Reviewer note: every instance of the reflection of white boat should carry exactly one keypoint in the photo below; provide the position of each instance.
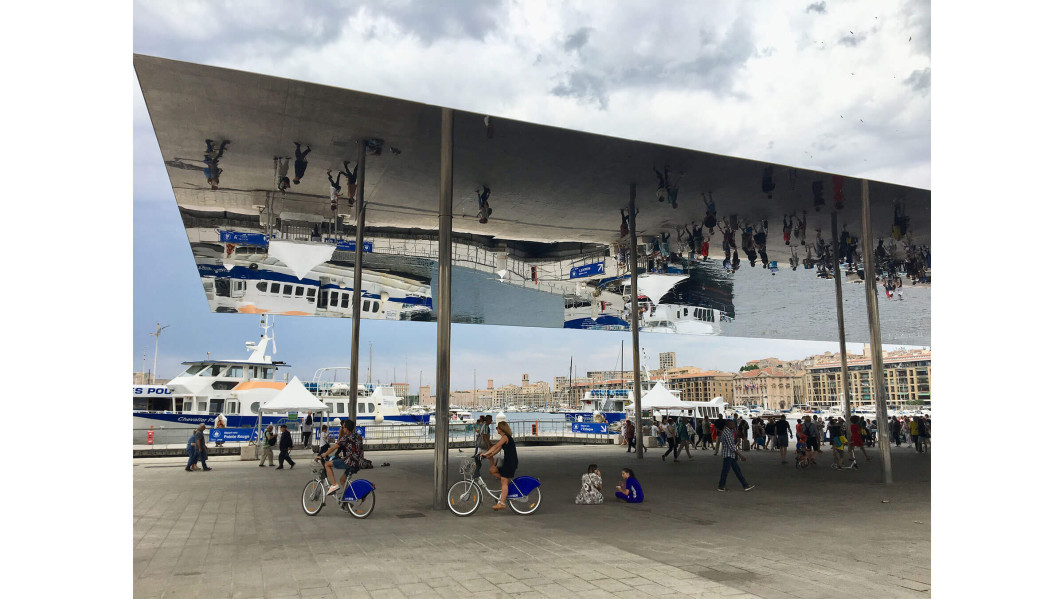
(373, 403)
(608, 310)
(457, 416)
(687, 320)
(267, 286)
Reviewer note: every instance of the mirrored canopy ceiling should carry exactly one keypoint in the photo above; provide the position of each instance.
(549, 252)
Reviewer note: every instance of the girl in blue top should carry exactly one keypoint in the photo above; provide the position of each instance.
(632, 492)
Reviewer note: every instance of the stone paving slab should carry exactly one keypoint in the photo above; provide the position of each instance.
(238, 531)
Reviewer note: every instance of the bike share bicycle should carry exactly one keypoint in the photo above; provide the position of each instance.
(358, 497)
(463, 498)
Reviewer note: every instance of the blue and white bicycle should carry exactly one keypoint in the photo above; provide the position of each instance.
(358, 497)
(463, 498)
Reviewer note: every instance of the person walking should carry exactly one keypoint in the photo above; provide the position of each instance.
(718, 424)
(286, 446)
(706, 434)
(193, 453)
(895, 431)
(280, 173)
(269, 439)
(919, 435)
(301, 162)
(211, 157)
(306, 429)
(810, 431)
(629, 435)
(655, 429)
(856, 438)
(683, 436)
(914, 434)
(670, 437)
(783, 433)
(727, 437)
(352, 182)
(201, 447)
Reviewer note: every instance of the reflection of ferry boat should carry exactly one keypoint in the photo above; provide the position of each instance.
(611, 302)
(269, 287)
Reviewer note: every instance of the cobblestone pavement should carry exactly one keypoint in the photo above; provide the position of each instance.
(238, 531)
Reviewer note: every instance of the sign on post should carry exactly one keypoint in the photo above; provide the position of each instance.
(587, 270)
(233, 434)
(591, 428)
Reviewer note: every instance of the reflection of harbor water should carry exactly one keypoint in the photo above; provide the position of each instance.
(795, 304)
(478, 297)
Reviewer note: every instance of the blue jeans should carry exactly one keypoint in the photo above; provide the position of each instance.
(192, 457)
(731, 464)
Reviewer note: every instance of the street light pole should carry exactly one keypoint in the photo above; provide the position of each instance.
(155, 363)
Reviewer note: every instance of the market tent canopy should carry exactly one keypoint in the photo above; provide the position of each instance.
(293, 398)
(659, 398)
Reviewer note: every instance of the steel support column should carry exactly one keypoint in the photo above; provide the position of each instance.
(834, 253)
(356, 286)
(877, 385)
(633, 269)
(443, 312)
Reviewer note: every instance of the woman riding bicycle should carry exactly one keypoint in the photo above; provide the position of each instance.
(350, 445)
(508, 469)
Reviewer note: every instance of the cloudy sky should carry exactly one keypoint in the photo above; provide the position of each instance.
(842, 87)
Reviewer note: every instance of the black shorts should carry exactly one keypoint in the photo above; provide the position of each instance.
(507, 470)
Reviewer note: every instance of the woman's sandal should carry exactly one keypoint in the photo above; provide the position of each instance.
(499, 506)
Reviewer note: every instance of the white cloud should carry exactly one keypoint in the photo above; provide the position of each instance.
(727, 80)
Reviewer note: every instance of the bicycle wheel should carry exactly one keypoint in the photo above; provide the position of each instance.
(463, 498)
(362, 508)
(527, 504)
(313, 498)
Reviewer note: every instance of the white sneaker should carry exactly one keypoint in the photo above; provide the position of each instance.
(332, 489)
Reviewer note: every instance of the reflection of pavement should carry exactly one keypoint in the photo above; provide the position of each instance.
(239, 531)
(796, 304)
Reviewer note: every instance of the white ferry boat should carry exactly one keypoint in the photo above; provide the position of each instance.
(236, 389)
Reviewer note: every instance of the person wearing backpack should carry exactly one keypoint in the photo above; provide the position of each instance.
(269, 439)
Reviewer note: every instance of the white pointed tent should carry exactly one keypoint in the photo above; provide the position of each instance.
(659, 398)
(293, 398)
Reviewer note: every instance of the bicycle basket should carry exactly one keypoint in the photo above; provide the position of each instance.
(467, 467)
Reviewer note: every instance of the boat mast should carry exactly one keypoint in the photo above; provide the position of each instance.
(569, 395)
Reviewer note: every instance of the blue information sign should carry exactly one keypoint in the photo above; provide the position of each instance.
(587, 270)
(349, 246)
(238, 237)
(232, 434)
(591, 428)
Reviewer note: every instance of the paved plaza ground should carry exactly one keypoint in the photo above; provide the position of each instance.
(238, 531)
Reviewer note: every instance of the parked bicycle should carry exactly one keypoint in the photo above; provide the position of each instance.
(358, 497)
(463, 498)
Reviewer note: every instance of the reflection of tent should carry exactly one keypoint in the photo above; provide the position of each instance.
(293, 398)
(301, 257)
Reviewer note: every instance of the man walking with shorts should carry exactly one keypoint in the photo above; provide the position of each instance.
(783, 433)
